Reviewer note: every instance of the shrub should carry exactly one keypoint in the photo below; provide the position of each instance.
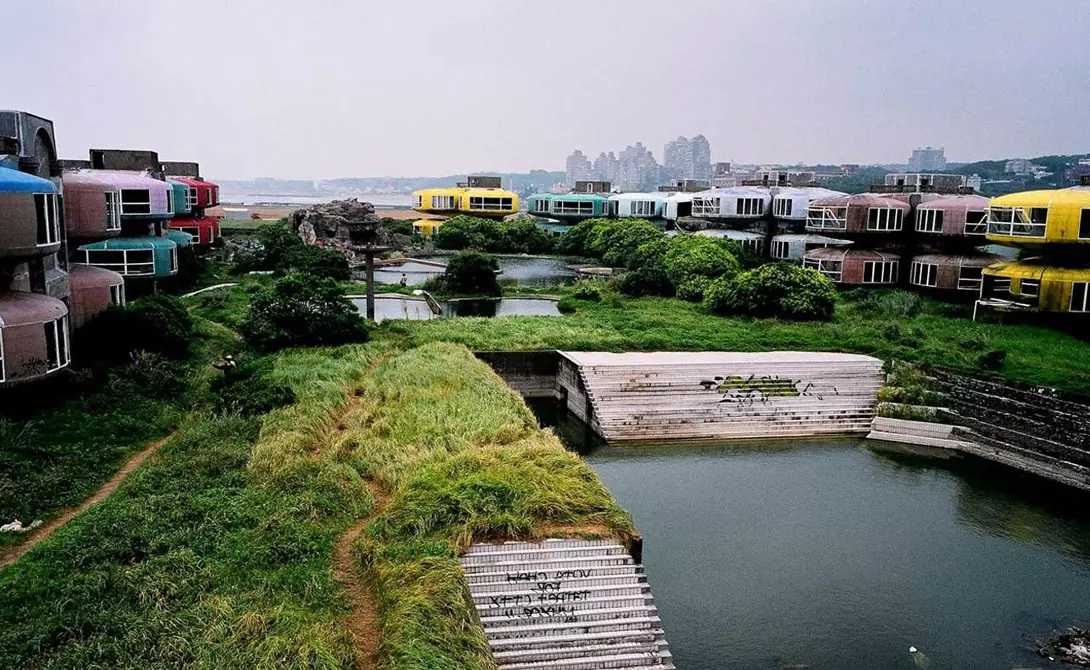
(993, 360)
(777, 290)
(300, 311)
(895, 304)
(576, 242)
(519, 235)
(690, 256)
(157, 324)
(470, 272)
(645, 281)
(588, 290)
(149, 375)
(692, 289)
(283, 251)
(621, 242)
(246, 389)
(396, 226)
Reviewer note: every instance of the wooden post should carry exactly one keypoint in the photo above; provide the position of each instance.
(370, 255)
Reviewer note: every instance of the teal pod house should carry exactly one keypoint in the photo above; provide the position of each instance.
(132, 257)
(569, 206)
(181, 238)
(182, 206)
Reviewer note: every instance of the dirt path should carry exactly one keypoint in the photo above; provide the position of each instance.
(363, 621)
(98, 496)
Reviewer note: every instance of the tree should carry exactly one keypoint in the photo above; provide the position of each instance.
(283, 251)
(471, 272)
(776, 290)
(691, 259)
(301, 310)
(519, 235)
(576, 241)
(158, 324)
(616, 241)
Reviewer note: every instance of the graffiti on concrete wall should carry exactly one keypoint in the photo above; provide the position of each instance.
(754, 389)
(546, 596)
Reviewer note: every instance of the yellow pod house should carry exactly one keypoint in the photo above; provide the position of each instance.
(478, 196)
(1037, 285)
(1038, 219)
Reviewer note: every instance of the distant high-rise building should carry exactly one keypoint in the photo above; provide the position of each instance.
(688, 159)
(927, 159)
(636, 169)
(577, 168)
(605, 167)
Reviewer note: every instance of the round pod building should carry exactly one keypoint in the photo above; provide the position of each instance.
(948, 272)
(862, 214)
(854, 267)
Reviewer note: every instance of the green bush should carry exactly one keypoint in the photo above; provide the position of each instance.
(519, 235)
(645, 281)
(891, 304)
(301, 311)
(993, 360)
(247, 390)
(776, 290)
(149, 375)
(693, 288)
(283, 251)
(157, 324)
(588, 290)
(470, 272)
(620, 243)
(576, 242)
(396, 226)
(692, 256)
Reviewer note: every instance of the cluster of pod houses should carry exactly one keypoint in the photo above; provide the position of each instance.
(75, 235)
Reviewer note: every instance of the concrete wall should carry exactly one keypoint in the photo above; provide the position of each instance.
(531, 373)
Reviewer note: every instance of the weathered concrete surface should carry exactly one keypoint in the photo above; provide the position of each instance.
(565, 605)
(531, 373)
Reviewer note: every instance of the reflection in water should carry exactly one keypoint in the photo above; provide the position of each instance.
(525, 270)
(416, 309)
(831, 554)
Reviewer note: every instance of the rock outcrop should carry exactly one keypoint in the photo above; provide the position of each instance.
(345, 225)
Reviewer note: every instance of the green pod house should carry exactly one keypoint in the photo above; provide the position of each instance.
(132, 257)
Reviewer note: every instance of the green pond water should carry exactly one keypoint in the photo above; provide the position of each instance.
(834, 554)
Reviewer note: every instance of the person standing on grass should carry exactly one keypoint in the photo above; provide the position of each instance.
(404, 279)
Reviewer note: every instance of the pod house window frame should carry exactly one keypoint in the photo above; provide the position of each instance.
(170, 200)
(3, 368)
(113, 210)
(141, 206)
(117, 294)
(828, 217)
(57, 344)
(442, 202)
(578, 207)
(885, 219)
(885, 271)
(974, 281)
(541, 206)
(834, 270)
(489, 204)
(925, 274)
(1013, 222)
(782, 207)
(174, 259)
(1026, 285)
(749, 206)
(643, 208)
(976, 222)
(191, 196)
(930, 220)
(1084, 224)
(1080, 297)
(706, 206)
(781, 250)
(128, 267)
(48, 219)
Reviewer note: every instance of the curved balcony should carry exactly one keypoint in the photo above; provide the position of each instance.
(33, 337)
(740, 203)
(205, 230)
(857, 214)
(93, 290)
(854, 267)
(948, 272)
(92, 205)
(132, 257)
(1037, 285)
(637, 205)
(569, 207)
(1038, 219)
(793, 247)
(30, 222)
(954, 216)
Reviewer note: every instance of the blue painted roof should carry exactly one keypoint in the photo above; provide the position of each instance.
(13, 181)
(182, 239)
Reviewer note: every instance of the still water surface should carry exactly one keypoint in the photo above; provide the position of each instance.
(831, 555)
(415, 309)
(525, 270)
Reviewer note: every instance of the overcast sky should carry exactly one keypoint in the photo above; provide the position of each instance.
(328, 88)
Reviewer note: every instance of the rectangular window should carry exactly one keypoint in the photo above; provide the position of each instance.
(884, 219)
(1014, 222)
(418, 205)
(56, 343)
(170, 201)
(780, 249)
(442, 202)
(1029, 287)
(976, 223)
(127, 262)
(827, 218)
(489, 204)
(173, 260)
(782, 207)
(3, 370)
(1038, 215)
(831, 269)
(1079, 295)
(705, 206)
(541, 206)
(117, 294)
(929, 220)
(969, 279)
(749, 207)
(135, 201)
(925, 274)
(49, 225)
(879, 272)
(1084, 225)
(113, 211)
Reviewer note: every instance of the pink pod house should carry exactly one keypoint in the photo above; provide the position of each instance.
(33, 337)
(861, 214)
(93, 290)
(857, 267)
(92, 205)
(949, 272)
(953, 216)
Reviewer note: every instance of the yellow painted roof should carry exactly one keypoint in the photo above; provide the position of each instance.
(453, 190)
(1064, 196)
(1034, 270)
(488, 192)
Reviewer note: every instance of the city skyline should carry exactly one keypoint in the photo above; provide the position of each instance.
(339, 88)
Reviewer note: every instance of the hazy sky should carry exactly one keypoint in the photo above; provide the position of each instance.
(325, 88)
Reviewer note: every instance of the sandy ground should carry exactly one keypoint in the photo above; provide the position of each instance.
(280, 211)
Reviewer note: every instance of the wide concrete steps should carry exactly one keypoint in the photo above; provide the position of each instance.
(565, 605)
(713, 396)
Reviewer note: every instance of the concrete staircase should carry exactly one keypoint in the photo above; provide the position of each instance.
(565, 605)
(713, 396)
(921, 433)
